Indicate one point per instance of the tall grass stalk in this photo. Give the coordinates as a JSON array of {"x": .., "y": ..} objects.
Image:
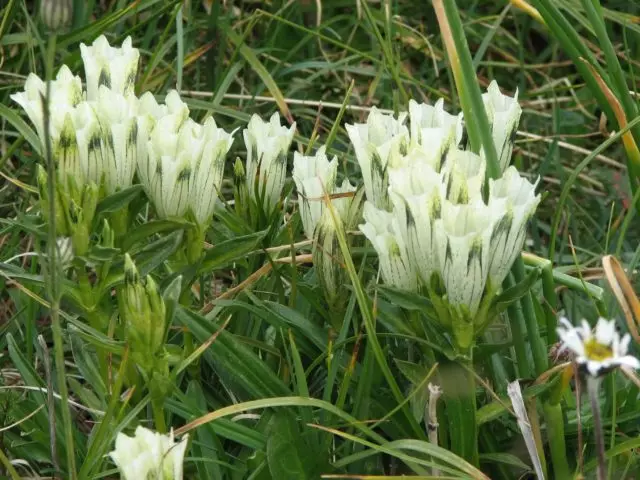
[{"x": 53, "y": 270}]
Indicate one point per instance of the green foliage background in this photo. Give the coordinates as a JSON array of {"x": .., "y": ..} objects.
[{"x": 293, "y": 397}]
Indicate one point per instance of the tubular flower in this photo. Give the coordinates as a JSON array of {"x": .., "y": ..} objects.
[
  {"x": 463, "y": 236},
  {"x": 434, "y": 128},
  {"x": 416, "y": 195},
  {"x": 463, "y": 175},
  {"x": 384, "y": 232},
  {"x": 183, "y": 169},
  {"x": 110, "y": 139},
  {"x": 375, "y": 142},
  {"x": 597, "y": 352},
  {"x": 66, "y": 94},
  {"x": 504, "y": 114},
  {"x": 267, "y": 145},
  {"x": 112, "y": 67},
  {"x": 512, "y": 201},
  {"x": 149, "y": 455},
  {"x": 314, "y": 176}
]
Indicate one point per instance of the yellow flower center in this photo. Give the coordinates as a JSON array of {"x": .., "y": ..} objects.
[{"x": 596, "y": 351}]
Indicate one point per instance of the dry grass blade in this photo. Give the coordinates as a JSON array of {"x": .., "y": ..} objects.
[
  {"x": 624, "y": 293},
  {"x": 515, "y": 394},
  {"x": 627, "y": 137}
]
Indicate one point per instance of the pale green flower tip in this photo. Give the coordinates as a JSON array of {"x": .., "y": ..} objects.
[{"x": 131, "y": 275}]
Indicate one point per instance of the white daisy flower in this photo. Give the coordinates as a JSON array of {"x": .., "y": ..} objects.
[{"x": 598, "y": 352}]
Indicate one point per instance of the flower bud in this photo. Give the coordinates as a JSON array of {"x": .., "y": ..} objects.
[
  {"x": 65, "y": 251},
  {"x": 416, "y": 193},
  {"x": 107, "y": 237},
  {"x": 267, "y": 146},
  {"x": 143, "y": 312},
  {"x": 149, "y": 455},
  {"x": 56, "y": 14},
  {"x": 328, "y": 259},
  {"x": 504, "y": 115}
]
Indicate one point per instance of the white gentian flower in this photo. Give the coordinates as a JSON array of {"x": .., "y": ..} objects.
[
  {"x": 209, "y": 170},
  {"x": 434, "y": 128},
  {"x": 504, "y": 114},
  {"x": 512, "y": 201},
  {"x": 149, "y": 455},
  {"x": 415, "y": 154},
  {"x": 314, "y": 176},
  {"x": 383, "y": 231},
  {"x": 185, "y": 162},
  {"x": 110, "y": 139},
  {"x": 267, "y": 145},
  {"x": 597, "y": 352},
  {"x": 343, "y": 200},
  {"x": 464, "y": 175},
  {"x": 66, "y": 94},
  {"x": 112, "y": 67},
  {"x": 374, "y": 143},
  {"x": 463, "y": 236},
  {"x": 416, "y": 195}
]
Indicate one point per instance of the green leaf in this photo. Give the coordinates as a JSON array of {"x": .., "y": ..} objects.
[
  {"x": 505, "y": 459},
  {"x": 223, "y": 253},
  {"x": 232, "y": 359},
  {"x": 147, "y": 259},
  {"x": 407, "y": 300},
  {"x": 148, "y": 229},
  {"x": 284, "y": 448},
  {"x": 514, "y": 293},
  {"x": 116, "y": 201},
  {"x": 493, "y": 410},
  {"x": 252, "y": 59},
  {"x": 23, "y": 128},
  {"x": 27, "y": 372}
]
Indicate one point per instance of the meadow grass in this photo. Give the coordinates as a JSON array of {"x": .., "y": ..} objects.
[{"x": 268, "y": 381}]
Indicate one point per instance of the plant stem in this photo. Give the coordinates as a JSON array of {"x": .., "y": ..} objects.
[
  {"x": 516, "y": 324},
  {"x": 158, "y": 416},
  {"x": 53, "y": 283},
  {"x": 593, "y": 385},
  {"x": 476, "y": 121},
  {"x": 459, "y": 393},
  {"x": 538, "y": 347},
  {"x": 557, "y": 446}
]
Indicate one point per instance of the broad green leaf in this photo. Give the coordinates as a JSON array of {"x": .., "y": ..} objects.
[
  {"x": 515, "y": 293},
  {"x": 146, "y": 230},
  {"x": 228, "y": 355},
  {"x": 23, "y": 128},
  {"x": 285, "y": 447},
  {"x": 504, "y": 458},
  {"x": 224, "y": 253},
  {"x": 116, "y": 201}
]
